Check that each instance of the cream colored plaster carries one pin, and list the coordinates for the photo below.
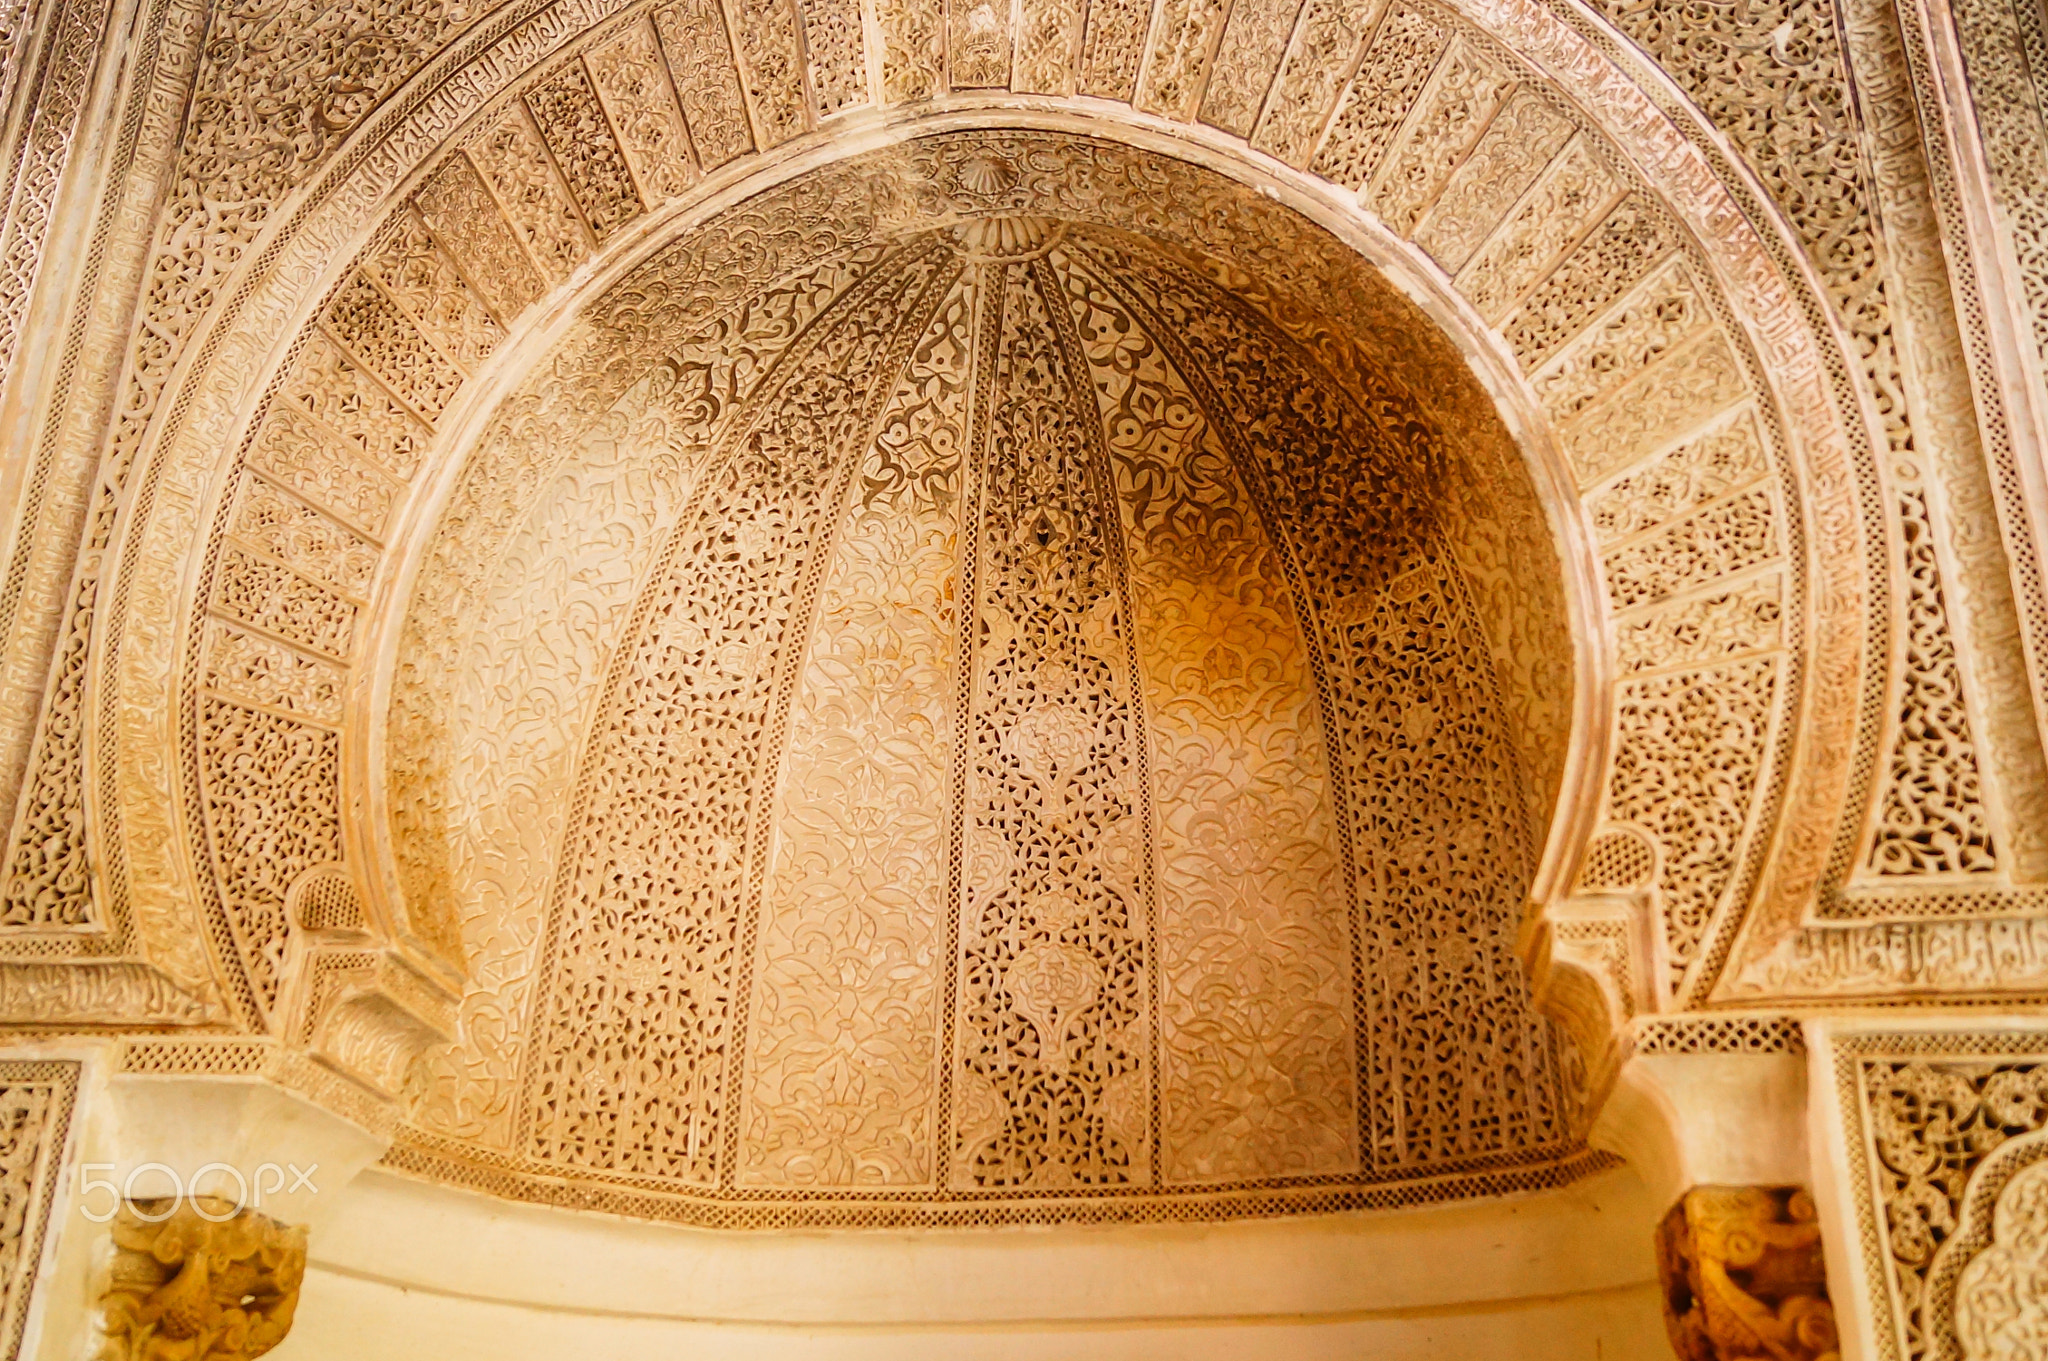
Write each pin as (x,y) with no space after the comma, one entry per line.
(1686,1120)
(232,1138)
(405,1269)
(145,1137)
(350,1319)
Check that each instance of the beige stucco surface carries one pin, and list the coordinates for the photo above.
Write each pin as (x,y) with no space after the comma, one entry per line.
(403,1269)
(364,1321)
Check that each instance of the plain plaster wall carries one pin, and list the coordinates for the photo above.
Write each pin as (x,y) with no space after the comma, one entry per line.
(405,1270)
(346,1317)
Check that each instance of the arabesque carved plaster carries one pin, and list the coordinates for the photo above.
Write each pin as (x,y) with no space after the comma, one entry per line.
(1676,314)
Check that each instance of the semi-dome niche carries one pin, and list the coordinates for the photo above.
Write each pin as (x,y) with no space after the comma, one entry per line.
(937,701)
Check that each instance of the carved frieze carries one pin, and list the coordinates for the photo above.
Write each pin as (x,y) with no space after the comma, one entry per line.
(36,1100)
(2003,45)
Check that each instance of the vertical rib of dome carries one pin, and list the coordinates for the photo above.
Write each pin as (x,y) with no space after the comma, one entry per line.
(649,942)
(1256,964)
(843,1051)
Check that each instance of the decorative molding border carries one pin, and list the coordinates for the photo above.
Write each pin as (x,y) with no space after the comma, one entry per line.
(1895,1205)
(37,1100)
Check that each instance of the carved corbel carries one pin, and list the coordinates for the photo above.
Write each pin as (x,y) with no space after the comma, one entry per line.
(1581,955)
(1743,1277)
(368,1013)
(199,1280)
(365,1007)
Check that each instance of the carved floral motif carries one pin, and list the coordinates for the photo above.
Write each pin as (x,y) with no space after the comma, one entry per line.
(578,152)
(1743,1276)
(2002,1295)
(35,1115)
(1933,1124)
(1126,577)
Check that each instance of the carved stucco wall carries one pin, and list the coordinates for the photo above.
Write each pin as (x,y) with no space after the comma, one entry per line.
(1211,793)
(1942,1132)
(36,1106)
(1525,250)
(1998,105)
(1785,458)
